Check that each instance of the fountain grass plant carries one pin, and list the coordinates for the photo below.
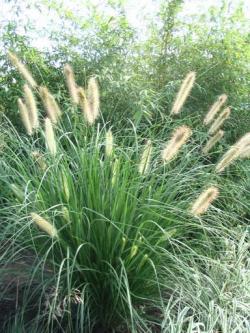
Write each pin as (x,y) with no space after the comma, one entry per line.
(109,223)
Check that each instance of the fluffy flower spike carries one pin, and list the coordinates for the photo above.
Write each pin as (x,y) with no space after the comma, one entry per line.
(183,93)
(44,225)
(31,105)
(50,104)
(219,121)
(50,137)
(212,141)
(178,139)
(25,116)
(204,200)
(215,109)
(72,86)
(22,69)
(233,153)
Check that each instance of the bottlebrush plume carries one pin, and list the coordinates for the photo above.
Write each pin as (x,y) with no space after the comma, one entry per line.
(65,214)
(183,93)
(219,121)
(22,69)
(179,138)
(72,86)
(133,251)
(233,153)
(93,97)
(50,137)
(85,106)
(109,142)
(25,116)
(204,200)
(145,158)
(212,141)
(115,170)
(44,225)
(244,141)
(246,152)
(65,187)
(214,109)
(50,104)
(31,105)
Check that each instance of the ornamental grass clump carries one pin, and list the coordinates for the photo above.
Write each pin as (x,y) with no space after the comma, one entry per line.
(111,230)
